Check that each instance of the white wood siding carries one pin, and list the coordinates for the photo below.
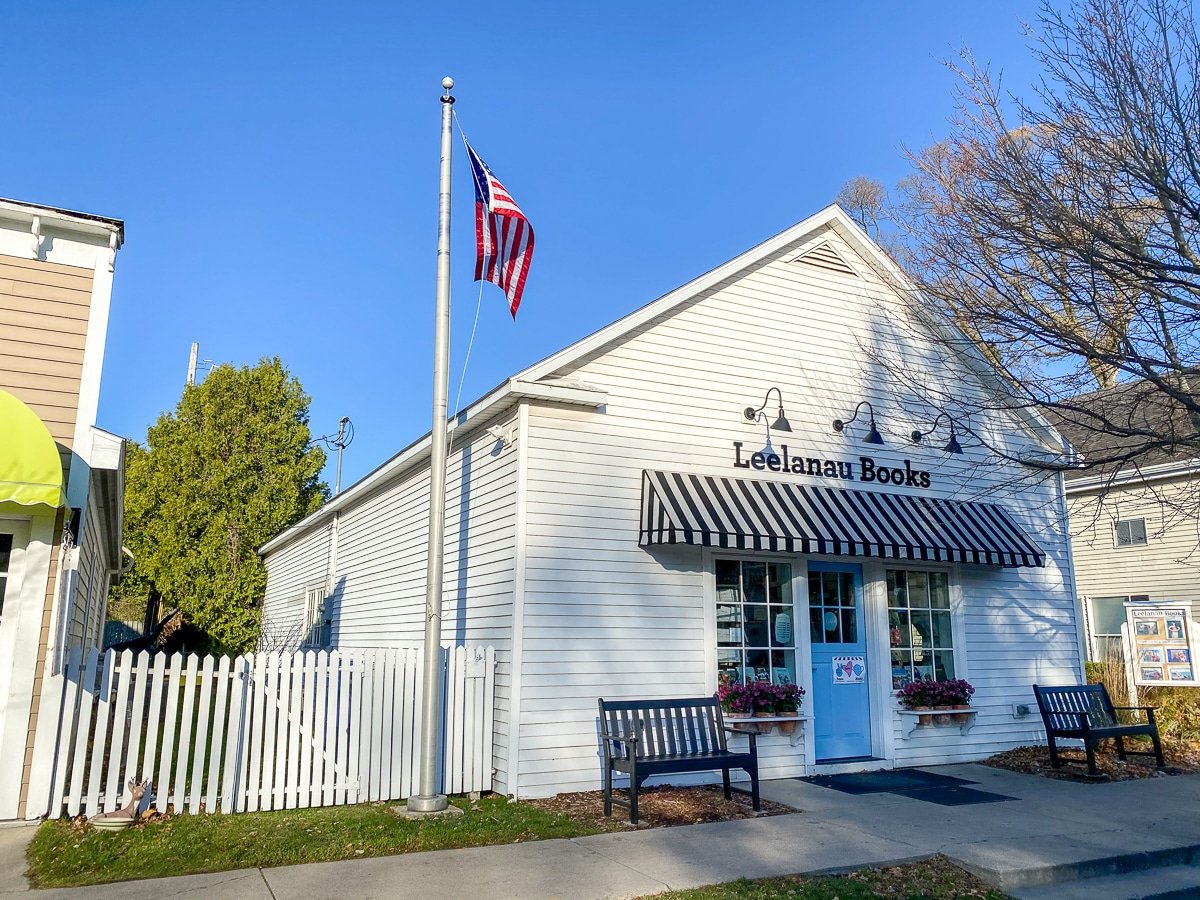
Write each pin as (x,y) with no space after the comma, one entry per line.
(89,588)
(300,564)
(378,589)
(604,618)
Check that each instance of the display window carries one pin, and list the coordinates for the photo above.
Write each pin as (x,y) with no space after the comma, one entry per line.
(920,626)
(756,634)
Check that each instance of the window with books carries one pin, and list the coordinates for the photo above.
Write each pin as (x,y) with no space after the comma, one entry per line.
(756,634)
(920,626)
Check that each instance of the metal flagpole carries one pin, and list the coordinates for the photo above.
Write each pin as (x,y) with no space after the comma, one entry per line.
(429,800)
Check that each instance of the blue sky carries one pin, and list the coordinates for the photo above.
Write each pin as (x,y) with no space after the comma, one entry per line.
(276,166)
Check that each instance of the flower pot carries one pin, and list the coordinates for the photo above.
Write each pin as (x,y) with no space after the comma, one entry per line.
(961,718)
(923,719)
(738,716)
(789,727)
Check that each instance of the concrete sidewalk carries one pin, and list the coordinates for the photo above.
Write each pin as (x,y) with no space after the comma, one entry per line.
(1051,831)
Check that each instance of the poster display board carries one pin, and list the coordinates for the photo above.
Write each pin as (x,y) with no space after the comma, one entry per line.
(1161,638)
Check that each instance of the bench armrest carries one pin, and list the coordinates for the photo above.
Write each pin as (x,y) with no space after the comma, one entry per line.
(752,734)
(619,738)
(1148,710)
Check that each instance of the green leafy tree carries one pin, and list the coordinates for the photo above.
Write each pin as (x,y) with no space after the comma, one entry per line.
(229,469)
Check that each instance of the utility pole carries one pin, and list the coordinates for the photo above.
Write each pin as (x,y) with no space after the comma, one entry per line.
(340,443)
(191,378)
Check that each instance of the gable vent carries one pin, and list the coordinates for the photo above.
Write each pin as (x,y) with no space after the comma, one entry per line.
(825,257)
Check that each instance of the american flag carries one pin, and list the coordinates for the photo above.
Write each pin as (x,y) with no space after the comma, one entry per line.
(503,236)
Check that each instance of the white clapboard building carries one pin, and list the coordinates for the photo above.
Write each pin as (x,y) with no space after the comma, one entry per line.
(617,528)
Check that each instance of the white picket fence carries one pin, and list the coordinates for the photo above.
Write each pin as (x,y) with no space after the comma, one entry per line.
(259,732)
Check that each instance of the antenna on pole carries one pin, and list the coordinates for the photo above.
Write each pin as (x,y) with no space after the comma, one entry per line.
(194,363)
(345,437)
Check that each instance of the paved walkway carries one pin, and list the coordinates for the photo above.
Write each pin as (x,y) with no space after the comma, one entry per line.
(1049,829)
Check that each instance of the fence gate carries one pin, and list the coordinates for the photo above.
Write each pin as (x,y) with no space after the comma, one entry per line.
(257,732)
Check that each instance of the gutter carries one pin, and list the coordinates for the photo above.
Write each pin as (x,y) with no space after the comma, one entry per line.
(1149,474)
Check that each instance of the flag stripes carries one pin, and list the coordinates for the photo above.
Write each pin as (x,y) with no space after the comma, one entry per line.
(503,236)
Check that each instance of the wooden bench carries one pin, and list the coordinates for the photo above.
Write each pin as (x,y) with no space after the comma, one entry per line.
(1085,712)
(657,737)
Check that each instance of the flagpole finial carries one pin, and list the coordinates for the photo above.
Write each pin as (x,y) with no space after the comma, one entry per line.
(447,83)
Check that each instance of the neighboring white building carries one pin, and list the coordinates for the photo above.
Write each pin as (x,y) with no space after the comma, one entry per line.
(613,530)
(1135,522)
(61,477)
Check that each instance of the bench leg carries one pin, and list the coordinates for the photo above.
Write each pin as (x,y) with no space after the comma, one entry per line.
(728,788)
(1054,760)
(753,773)
(608,790)
(633,798)
(1158,754)
(1090,748)
(1120,747)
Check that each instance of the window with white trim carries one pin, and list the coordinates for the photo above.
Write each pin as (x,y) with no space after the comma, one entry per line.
(1107,615)
(1131,532)
(316,625)
(920,627)
(756,633)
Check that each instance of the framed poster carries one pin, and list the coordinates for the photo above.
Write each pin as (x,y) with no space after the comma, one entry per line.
(1160,638)
(849,669)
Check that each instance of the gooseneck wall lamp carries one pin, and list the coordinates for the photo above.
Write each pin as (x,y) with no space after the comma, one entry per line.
(755,414)
(952,445)
(873,436)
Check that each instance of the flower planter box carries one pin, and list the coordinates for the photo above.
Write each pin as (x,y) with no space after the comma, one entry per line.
(936,719)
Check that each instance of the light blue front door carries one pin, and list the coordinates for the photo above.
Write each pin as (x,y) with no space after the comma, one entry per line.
(841,701)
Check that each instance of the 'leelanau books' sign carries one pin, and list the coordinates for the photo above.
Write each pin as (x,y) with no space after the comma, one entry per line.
(1162,650)
(866,470)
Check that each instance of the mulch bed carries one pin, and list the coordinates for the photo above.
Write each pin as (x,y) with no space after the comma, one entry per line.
(660,807)
(1183,758)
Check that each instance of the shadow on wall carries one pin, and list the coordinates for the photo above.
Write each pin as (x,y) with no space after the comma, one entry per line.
(464,547)
(331,615)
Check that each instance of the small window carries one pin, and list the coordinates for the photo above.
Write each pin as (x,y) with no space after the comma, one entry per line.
(316,624)
(1131,532)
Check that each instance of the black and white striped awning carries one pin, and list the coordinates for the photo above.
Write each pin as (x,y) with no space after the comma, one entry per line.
(746,514)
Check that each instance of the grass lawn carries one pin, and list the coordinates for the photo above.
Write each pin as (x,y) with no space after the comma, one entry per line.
(63,854)
(934,879)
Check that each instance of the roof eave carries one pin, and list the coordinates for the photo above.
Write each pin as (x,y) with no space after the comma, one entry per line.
(486,408)
(65,219)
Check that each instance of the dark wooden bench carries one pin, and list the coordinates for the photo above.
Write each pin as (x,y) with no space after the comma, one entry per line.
(1085,712)
(658,737)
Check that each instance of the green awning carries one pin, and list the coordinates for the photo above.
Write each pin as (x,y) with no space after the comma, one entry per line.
(30,467)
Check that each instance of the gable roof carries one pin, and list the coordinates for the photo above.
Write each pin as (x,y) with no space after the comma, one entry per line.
(1134,426)
(535,377)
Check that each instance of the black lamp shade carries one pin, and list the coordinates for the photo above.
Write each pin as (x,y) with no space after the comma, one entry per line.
(781,424)
(873,436)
